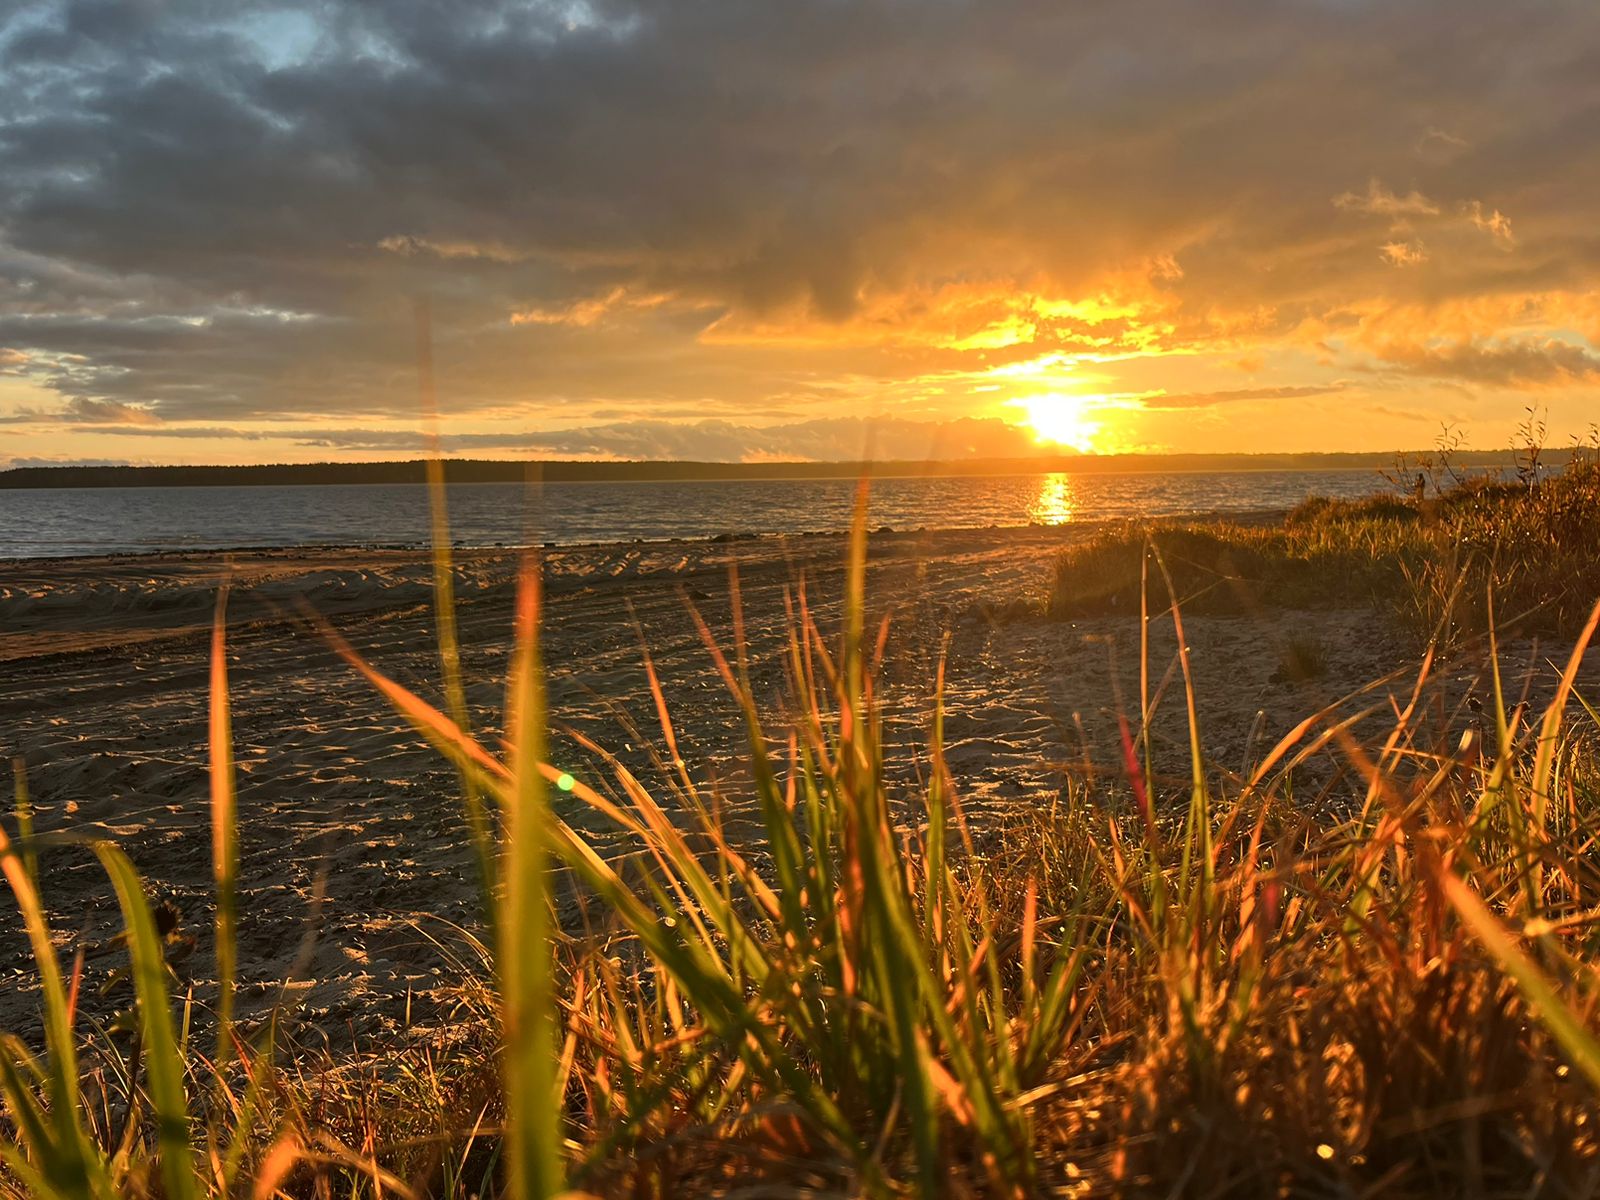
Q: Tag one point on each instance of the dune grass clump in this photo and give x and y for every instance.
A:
(1148, 988)
(1433, 560)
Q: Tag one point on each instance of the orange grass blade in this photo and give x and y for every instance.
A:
(443, 733)
(275, 1167)
(224, 830)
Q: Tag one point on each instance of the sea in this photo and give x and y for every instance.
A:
(67, 522)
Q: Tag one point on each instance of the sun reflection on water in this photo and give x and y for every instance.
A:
(1057, 501)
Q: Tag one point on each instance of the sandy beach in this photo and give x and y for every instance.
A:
(355, 861)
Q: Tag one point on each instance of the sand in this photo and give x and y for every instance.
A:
(355, 866)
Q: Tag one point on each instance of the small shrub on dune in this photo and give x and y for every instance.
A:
(1211, 569)
(1301, 658)
(1320, 510)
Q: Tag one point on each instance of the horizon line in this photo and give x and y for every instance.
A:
(466, 470)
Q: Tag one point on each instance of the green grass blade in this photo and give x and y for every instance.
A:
(24, 813)
(163, 1059)
(74, 1166)
(523, 952)
(33, 1182)
(30, 1125)
(1556, 1014)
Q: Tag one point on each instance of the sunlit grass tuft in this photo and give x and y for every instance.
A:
(1431, 561)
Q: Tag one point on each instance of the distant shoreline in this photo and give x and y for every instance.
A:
(519, 471)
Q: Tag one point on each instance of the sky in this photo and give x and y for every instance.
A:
(755, 230)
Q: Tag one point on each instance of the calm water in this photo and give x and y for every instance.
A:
(66, 521)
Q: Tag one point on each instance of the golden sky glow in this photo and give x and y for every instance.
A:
(734, 231)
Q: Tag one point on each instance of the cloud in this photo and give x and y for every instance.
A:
(829, 439)
(1439, 146)
(1423, 416)
(591, 310)
(1494, 222)
(833, 439)
(409, 246)
(84, 410)
(32, 460)
(1212, 399)
(1403, 254)
(758, 213)
(1405, 212)
(1379, 201)
(1527, 363)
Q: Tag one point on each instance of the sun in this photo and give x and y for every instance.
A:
(1063, 419)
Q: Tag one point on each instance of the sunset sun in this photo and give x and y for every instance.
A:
(1063, 420)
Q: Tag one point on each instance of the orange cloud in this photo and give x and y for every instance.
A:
(409, 246)
(1128, 313)
(1495, 223)
(1403, 254)
(83, 410)
(592, 311)
(1376, 322)
(1379, 201)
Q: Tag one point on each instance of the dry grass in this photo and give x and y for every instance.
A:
(1433, 561)
(1147, 990)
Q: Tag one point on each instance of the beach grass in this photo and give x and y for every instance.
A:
(1146, 987)
(1434, 560)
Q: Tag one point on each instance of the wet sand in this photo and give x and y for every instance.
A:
(103, 694)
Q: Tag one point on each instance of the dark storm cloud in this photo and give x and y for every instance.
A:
(213, 211)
